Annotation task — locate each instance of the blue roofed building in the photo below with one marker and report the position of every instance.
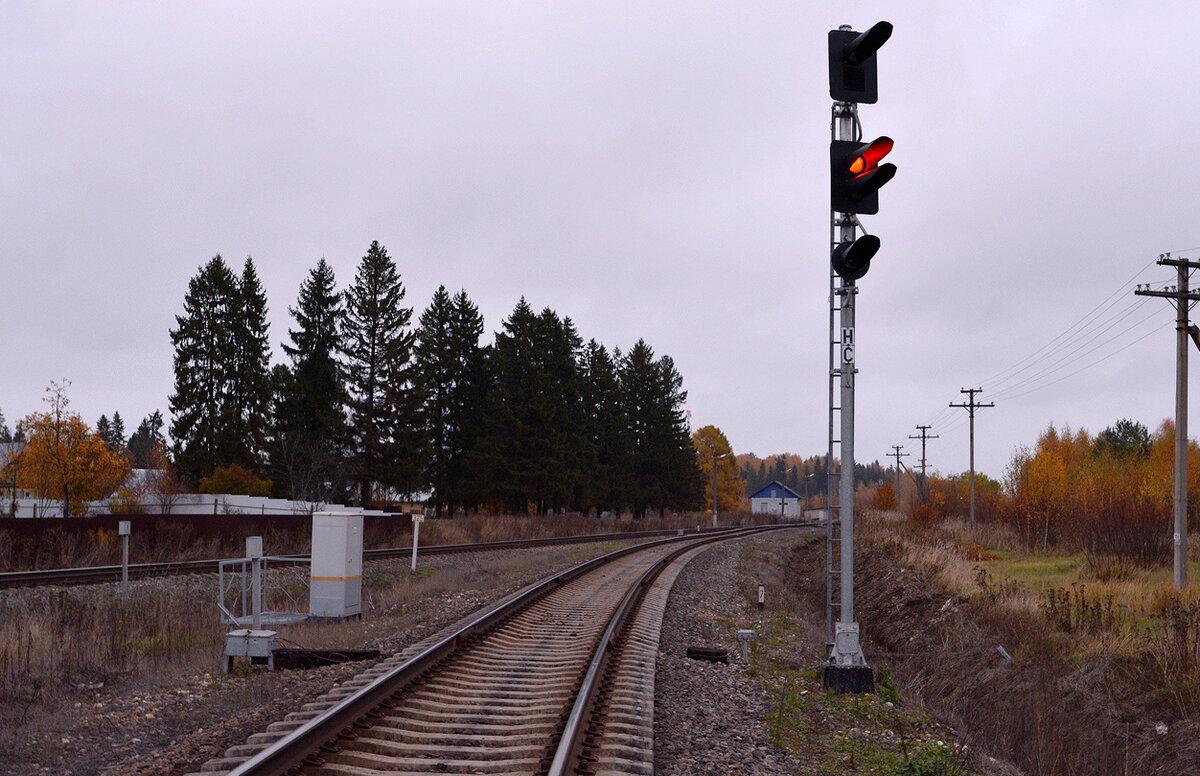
(777, 499)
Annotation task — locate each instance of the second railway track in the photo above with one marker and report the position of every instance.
(559, 679)
(89, 575)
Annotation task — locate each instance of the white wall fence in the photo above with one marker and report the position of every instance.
(186, 504)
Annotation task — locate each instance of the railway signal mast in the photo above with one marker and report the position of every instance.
(856, 176)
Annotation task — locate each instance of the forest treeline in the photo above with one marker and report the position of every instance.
(373, 406)
(806, 476)
(1106, 495)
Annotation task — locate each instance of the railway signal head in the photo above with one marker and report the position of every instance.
(852, 65)
(852, 259)
(855, 175)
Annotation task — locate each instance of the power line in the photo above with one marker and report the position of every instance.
(1114, 297)
(1003, 392)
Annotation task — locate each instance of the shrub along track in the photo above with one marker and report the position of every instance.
(557, 678)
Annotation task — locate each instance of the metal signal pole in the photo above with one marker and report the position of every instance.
(970, 406)
(856, 176)
(1183, 299)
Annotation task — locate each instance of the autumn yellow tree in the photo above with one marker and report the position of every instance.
(64, 458)
(713, 448)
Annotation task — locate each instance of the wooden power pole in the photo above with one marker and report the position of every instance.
(1182, 298)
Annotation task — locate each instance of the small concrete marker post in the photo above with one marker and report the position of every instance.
(123, 528)
(745, 636)
(762, 595)
(417, 520)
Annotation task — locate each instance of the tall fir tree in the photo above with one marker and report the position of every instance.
(249, 380)
(116, 438)
(562, 466)
(147, 447)
(504, 456)
(664, 471)
(204, 357)
(308, 441)
(435, 376)
(529, 452)
(5, 433)
(377, 343)
(605, 448)
(466, 399)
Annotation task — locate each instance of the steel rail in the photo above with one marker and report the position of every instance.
(99, 574)
(566, 756)
(323, 731)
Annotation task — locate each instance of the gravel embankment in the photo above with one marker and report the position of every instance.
(709, 717)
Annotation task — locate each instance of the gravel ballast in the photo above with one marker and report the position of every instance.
(709, 717)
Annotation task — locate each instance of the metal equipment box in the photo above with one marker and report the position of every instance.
(248, 643)
(337, 552)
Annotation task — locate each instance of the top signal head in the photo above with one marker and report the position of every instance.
(852, 65)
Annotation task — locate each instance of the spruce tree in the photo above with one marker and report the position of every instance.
(664, 472)
(504, 458)
(604, 449)
(377, 342)
(249, 376)
(562, 470)
(309, 421)
(5, 433)
(466, 399)
(204, 355)
(116, 437)
(530, 453)
(147, 447)
(435, 375)
(104, 430)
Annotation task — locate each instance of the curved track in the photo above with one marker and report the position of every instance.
(557, 680)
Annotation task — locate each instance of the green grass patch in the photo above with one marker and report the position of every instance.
(832, 733)
(1052, 570)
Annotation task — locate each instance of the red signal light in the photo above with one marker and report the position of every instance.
(856, 174)
(871, 156)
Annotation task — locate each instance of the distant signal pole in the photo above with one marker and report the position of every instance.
(970, 406)
(1182, 298)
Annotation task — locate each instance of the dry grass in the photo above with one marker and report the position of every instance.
(47, 544)
(51, 640)
(1095, 663)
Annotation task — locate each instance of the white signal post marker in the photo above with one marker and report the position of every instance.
(417, 520)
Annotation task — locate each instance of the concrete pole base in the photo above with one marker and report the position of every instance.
(848, 680)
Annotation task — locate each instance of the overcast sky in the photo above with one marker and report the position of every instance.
(654, 170)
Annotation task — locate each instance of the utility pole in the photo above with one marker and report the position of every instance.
(1183, 299)
(970, 406)
(924, 437)
(896, 479)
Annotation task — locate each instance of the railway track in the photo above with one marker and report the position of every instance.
(558, 679)
(100, 574)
